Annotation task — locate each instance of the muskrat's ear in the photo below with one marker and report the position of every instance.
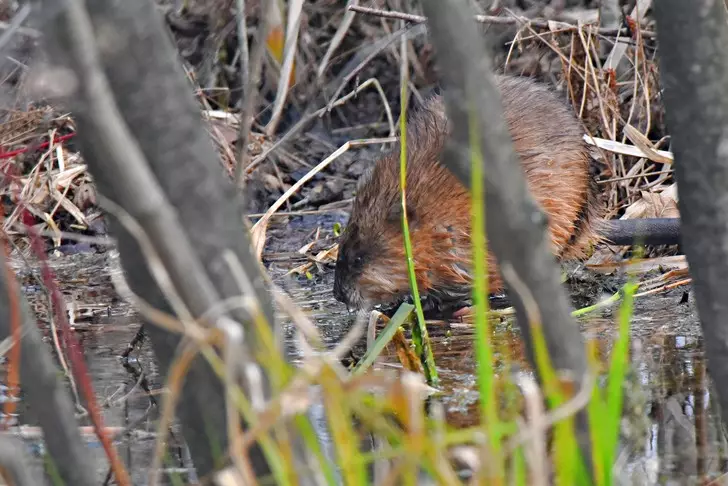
(395, 214)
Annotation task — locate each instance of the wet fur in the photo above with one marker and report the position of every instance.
(371, 267)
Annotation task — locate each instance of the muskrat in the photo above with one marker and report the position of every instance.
(371, 266)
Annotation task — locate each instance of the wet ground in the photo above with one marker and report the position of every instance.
(671, 432)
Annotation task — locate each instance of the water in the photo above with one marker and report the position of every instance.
(103, 325)
(672, 433)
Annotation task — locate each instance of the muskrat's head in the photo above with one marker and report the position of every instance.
(371, 267)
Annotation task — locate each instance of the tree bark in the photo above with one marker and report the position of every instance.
(45, 394)
(182, 199)
(693, 59)
(516, 226)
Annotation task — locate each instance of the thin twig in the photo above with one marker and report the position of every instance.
(251, 89)
(493, 20)
(14, 26)
(336, 40)
(309, 118)
(375, 51)
(20, 228)
(321, 166)
(243, 41)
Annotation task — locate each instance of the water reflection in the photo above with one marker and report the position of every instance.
(103, 326)
(671, 430)
(672, 433)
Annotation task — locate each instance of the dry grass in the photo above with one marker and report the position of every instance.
(621, 110)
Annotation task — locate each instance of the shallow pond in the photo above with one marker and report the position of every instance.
(672, 433)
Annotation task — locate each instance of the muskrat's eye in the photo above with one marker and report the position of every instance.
(358, 261)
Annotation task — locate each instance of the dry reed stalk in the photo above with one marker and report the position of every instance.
(490, 19)
(289, 54)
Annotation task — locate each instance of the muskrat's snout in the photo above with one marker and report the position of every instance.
(340, 284)
(345, 287)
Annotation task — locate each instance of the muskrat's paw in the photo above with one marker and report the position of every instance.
(438, 309)
(445, 309)
(429, 305)
(432, 308)
(463, 312)
(459, 309)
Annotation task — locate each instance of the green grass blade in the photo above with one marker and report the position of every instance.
(518, 468)
(420, 337)
(399, 317)
(596, 409)
(617, 371)
(483, 346)
(569, 461)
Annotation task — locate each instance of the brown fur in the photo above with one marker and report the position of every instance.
(547, 137)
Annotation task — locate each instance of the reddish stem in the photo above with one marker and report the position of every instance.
(13, 153)
(78, 364)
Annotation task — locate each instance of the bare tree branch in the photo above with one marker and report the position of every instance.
(182, 200)
(694, 71)
(516, 226)
(47, 398)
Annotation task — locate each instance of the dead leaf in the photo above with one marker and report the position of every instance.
(406, 356)
(85, 196)
(71, 208)
(654, 205)
(329, 255)
(276, 39)
(644, 144)
(623, 148)
(64, 178)
(257, 235)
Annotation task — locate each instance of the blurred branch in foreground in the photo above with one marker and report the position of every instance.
(694, 66)
(516, 226)
(48, 399)
(181, 237)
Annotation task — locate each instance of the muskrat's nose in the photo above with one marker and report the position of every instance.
(339, 293)
(343, 291)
